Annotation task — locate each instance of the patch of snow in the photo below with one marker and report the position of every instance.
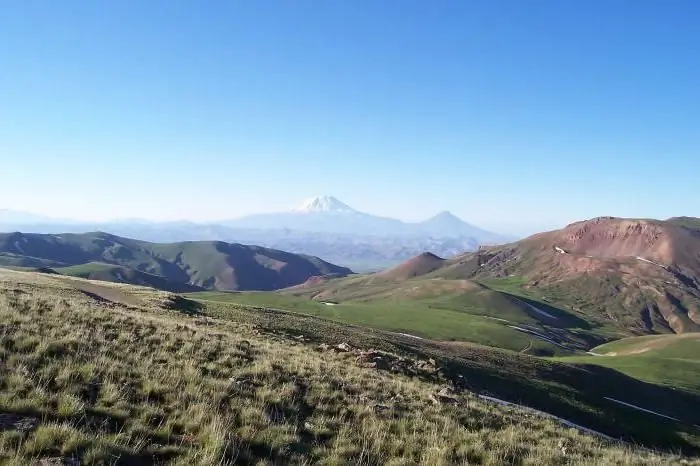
(537, 335)
(650, 262)
(559, 250)
(496, 318)
(410, 336)
(329, 304)
(324, 204)
(641, 409)
(594, 354)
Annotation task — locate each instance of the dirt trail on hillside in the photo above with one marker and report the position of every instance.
(108, 293)
(656, 343)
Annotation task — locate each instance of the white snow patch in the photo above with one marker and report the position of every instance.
(410, 336)
(330, 304)
(537, 335)
(641, 409)
(496, 318)
(559, 250)
(650, 262)
(323, 204)
(594, 354)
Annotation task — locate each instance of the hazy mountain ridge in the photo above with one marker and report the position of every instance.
(202, 264)
(322, 226)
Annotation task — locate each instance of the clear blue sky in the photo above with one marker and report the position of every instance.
(514, 115)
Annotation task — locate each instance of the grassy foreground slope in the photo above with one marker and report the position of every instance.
(672, 360)
(110, 374)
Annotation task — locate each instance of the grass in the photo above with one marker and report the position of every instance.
(671, 360)
(204, 264)
(412, 317)
(120, 274)
(503, 298)
(105, 382)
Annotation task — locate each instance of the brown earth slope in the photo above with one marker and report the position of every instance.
(414, 267)
(643, 275)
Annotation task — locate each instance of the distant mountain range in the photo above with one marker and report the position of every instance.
(178, 267)
(321, 226)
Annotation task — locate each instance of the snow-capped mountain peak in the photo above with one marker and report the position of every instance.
(322, 204)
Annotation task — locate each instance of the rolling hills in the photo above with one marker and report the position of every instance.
(671, 360)
(185, 266)
(621, 276)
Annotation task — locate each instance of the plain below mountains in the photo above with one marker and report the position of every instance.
(180, 267)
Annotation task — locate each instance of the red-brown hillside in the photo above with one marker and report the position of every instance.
(641, 274)
(416, 266)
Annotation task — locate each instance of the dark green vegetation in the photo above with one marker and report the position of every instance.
(175, 266)
(120, 274)
(115, 374)
(671, 360)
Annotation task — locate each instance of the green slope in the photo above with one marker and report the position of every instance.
(414, 318)
(121, 274)
(672, 360)
(204, 264)
(503, 300)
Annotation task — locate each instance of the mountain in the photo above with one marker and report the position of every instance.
(625, 276)
(203, 264)
(642, 275)
(447, 224)
(326, 214)
(324, 204)
(322, 226)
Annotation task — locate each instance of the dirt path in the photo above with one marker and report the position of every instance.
(107, 293)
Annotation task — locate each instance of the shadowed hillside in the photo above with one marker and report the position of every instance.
(200, 264)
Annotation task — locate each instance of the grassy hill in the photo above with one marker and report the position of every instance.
(493, 312)
(197, 264)
(106, 373)
(597, 280)
(402, 317)
(642, 276)
(120, 274)
(672, 360)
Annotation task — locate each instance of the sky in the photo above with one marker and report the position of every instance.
(516, 116)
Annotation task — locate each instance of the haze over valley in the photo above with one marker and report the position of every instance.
(322, 226)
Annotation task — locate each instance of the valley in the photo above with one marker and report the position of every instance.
(586, 332)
